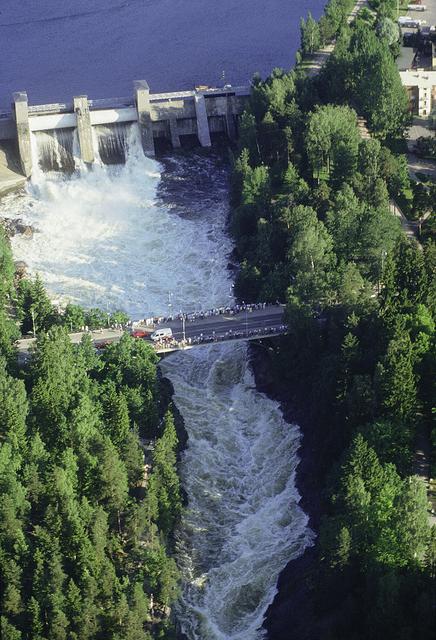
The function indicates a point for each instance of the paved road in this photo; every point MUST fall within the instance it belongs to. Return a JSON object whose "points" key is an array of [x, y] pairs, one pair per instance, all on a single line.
{"points": [[247, 324], [25, 345], [314, 63], [225, 324]]}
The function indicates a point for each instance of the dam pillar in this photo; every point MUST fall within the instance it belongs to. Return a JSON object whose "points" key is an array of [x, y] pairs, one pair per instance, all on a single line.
{"points": [[84, 128], [142, 98], [23, 131], [175, 139], [202, 123], [230, 118]]}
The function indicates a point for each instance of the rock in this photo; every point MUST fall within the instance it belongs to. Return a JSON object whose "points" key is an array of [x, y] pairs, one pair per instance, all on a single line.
{"points": [[26, 230], [20, 268], [15, 226]]}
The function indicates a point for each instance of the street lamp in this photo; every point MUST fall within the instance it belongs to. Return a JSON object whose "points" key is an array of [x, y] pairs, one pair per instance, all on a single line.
{"points": [[183, 325], [32, 312], [383, 256], [246, 319]]}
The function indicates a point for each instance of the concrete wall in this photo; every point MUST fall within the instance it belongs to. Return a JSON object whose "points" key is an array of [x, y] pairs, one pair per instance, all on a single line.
{"points": [[166, 115], [23, 132], [84, 128]]}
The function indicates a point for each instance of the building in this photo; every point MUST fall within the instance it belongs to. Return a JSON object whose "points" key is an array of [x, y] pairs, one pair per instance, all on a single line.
{"points": [[417, 67]]}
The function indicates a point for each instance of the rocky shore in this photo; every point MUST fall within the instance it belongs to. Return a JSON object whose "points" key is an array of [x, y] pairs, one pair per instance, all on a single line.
{"points": [[293, 606], [15, 226]]}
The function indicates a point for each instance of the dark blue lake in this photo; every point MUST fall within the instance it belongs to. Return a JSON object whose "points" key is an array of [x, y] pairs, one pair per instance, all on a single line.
{"points": [[55, 49]]}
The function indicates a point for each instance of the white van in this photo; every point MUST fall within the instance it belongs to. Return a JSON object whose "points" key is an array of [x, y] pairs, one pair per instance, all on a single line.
{"points": [[159, 334], [409, 23]]}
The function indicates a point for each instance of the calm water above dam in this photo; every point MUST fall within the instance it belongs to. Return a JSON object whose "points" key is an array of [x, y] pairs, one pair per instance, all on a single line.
{"points": [[55, 49]]}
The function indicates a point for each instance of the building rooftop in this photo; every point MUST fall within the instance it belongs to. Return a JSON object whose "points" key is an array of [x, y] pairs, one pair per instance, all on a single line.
{"points": [[406, 58]]}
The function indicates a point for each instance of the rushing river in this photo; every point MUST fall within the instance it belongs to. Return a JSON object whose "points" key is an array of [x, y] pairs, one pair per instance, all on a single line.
{"points": [[243, 522], [142, 236]]}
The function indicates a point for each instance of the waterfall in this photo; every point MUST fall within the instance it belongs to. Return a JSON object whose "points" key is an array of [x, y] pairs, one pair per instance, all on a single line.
{"points": [[126, 235], [59, 149], [55, 150], [112, 142]]}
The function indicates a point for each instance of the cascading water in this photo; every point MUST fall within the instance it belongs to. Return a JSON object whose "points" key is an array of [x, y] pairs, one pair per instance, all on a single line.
{"points": [[55, 149], [111, 236], [112, 142], [141, 236], [243, 522]]}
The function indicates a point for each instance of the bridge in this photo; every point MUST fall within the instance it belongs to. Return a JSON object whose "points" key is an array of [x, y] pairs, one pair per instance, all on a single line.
{"points": [[171, 116], [249, 322]]}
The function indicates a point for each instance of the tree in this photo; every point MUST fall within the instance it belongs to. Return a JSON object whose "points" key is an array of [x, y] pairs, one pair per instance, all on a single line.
{"points": [[119, 317], [9, 632], [310, 36], [331, 133], [395, 379], [256, 190], [388, 30], [411, 276], [13, 413], [96, 318], [116, 416], [57, 381], [411, 526], [383, 97], [34, 307], [112, 481], [74, 317], [164, 476]]}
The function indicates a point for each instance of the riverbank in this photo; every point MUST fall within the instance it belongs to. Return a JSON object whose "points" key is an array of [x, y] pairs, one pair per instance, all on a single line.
{"points": [[293, 606]]}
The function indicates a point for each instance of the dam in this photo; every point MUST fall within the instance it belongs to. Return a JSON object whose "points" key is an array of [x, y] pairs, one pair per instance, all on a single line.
{"points": [[198, 114]]}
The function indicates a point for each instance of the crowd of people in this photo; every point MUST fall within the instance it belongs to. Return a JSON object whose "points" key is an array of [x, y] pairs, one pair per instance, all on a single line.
{"points": [[216, 311], [172, 343]]}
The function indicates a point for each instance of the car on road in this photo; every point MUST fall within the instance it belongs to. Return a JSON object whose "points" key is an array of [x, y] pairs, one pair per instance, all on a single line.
{"points": [[141, 333], [161, 334]]}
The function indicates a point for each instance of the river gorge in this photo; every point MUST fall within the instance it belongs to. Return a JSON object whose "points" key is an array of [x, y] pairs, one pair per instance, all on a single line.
{"points": [[151, 237]]}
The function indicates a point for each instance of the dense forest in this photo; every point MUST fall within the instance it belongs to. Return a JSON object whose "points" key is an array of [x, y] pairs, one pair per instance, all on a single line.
{"points": [[313, 227], [86, 521]]}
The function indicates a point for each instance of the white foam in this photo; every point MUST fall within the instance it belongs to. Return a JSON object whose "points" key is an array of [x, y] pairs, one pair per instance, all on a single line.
{"points": [[243, 522], [107, 227]]}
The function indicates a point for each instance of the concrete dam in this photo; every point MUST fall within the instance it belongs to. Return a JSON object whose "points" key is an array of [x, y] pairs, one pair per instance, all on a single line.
{"points": [[169, 117]]}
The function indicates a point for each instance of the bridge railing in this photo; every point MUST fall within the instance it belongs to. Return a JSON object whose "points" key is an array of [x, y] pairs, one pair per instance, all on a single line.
{"points": [[250, 334]]}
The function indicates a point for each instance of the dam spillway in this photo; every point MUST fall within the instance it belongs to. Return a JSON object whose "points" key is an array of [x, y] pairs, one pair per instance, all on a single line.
{"points": [[199, 113]]}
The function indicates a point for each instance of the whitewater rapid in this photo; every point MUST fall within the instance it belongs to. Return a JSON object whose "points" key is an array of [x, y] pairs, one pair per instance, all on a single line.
{"points": [[150, 237], [109, 236], [243, 523]]}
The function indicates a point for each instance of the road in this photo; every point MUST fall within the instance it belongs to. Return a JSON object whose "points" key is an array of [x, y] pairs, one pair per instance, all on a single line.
{"points": [[226, 326], [244, 324], [314, 63], [25, 345]]}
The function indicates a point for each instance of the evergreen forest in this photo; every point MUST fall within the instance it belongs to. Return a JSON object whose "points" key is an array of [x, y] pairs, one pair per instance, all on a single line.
{"points": [[87, 505], [313, 225]]}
